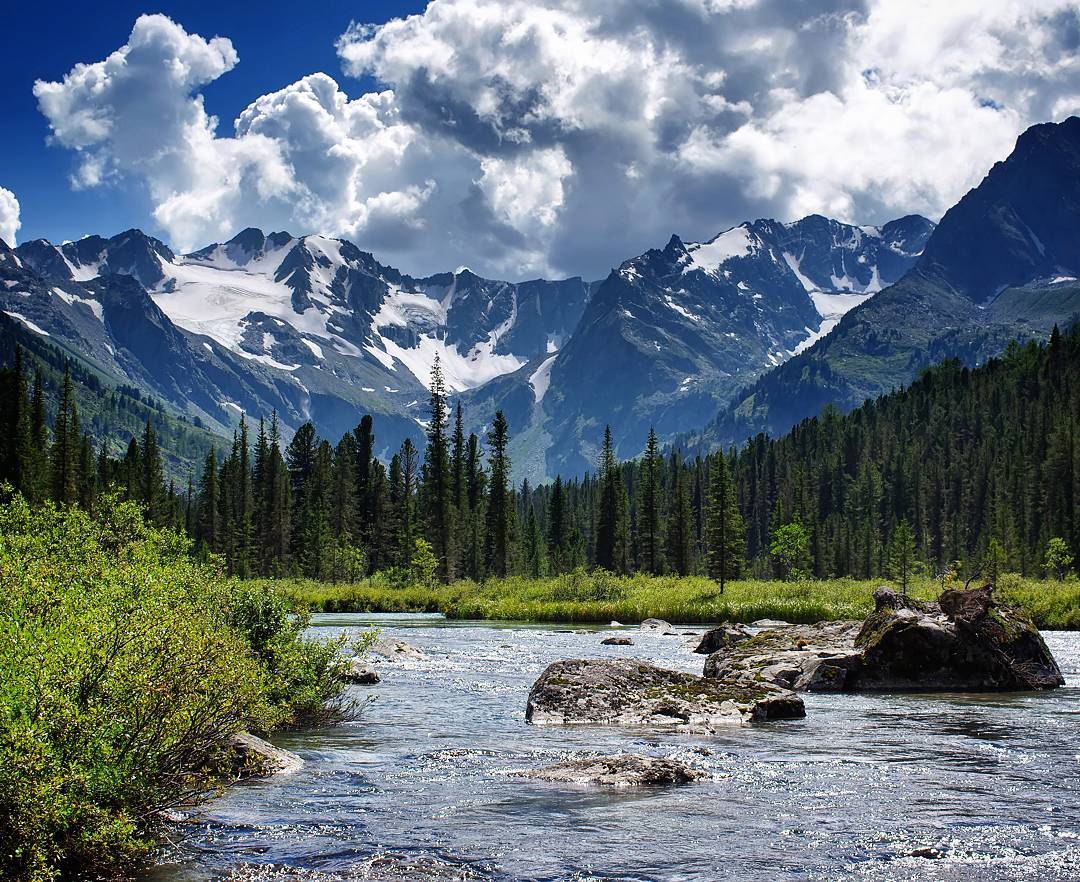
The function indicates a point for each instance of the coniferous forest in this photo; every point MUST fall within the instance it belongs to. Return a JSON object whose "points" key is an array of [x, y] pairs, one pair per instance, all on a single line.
{"points": [[976, 465]]}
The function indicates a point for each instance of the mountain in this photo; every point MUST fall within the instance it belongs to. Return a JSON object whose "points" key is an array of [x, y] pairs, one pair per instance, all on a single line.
{"points": [[669, 336], [315, 328], [1003, 263], [311, 327]]}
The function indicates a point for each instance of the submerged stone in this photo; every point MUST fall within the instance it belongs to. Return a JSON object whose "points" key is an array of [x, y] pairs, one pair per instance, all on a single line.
{"points": [[617, 770]]}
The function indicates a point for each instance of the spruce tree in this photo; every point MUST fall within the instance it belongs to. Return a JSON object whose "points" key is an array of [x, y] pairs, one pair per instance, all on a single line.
{"points": [[151, 476], [209, 531], [500, 514], [558, 527], [650, 520], [612, 523], [65, 447], [680, 523], [438, 493], [724, 530]]}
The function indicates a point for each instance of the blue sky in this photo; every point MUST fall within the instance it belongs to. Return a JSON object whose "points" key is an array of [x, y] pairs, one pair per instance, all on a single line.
{"points": [[521, 138], [277, 45]]}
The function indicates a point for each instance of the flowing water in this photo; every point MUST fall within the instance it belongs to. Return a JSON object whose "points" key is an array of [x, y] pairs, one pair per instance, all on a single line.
{"points": [[991, 783]]}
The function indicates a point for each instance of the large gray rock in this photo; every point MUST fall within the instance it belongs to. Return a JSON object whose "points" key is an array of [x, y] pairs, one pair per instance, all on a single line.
{"points": [[962, 642], [249, 756], [396, 650], [359, 674], [717, 638], [630, 692], [618, 770], [657, 626]]}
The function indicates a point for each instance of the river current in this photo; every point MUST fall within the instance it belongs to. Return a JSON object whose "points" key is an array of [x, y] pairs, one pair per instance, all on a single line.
{"points": [[867, 787]]}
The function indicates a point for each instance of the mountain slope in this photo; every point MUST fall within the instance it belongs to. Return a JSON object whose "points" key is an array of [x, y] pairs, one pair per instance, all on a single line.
{"points": [[670, 334], [1003, 263], [312, 327]]}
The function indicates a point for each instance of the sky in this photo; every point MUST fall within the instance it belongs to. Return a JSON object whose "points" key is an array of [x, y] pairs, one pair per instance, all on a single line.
{"points": [[521, 138]]}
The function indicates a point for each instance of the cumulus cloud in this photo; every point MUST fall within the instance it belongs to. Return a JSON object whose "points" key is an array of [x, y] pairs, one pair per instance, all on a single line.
{"points": [[527, 137], [9, 216]]}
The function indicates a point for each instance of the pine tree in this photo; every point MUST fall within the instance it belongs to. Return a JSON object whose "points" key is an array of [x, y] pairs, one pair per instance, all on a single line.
{"points": [[680, 523], [151, 477], [902, 554], [650, 521], [209, 530], [558, 527], [500, 514], [438, 493], [278, 506], [725, 530], [65, 448], [612, 523], [343, 504]]}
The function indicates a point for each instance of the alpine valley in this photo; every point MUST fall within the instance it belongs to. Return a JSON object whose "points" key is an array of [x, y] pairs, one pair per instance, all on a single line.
{"points": [[763, 324]]}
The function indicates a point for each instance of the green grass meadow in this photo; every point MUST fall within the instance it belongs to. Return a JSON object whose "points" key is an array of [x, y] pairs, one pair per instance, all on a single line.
{"points": [[600, 597]]}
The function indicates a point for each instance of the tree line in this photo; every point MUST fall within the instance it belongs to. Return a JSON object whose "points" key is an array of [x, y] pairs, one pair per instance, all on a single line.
{"points": [[977, 465]]}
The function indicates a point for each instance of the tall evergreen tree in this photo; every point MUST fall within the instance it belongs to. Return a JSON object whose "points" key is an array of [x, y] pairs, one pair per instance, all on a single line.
{"points": [[65, 447], [680, 523], [725, 531], [650, 521], [438, 493], [612, 524], [500, 513]]}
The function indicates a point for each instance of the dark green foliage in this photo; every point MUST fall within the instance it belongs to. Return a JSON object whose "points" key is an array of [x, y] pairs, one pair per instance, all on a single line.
{"points": [[498, 557], [724, 528]]}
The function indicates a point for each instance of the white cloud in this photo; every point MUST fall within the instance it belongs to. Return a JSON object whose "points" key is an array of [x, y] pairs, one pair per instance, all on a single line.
{"points": [[560, 136], [9, 216]]}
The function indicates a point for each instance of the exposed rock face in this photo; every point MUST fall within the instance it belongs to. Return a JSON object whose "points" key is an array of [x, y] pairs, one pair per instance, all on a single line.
{"points": [[629, 692], [963, 642], [250, 757], [718, 638], [618, 770], [359, 674], [812, 658], [616, 641]]}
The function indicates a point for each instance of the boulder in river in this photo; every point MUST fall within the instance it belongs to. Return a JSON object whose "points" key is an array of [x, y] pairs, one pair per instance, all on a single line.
{"points": [[248, 756], [396, 650], [359, 674], [616, 641], [617, 770], [962, 642], [630, 692], [718, 638], [657, 626]]}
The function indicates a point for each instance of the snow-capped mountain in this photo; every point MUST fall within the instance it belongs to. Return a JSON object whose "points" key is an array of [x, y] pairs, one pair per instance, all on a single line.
{"points": [[318, 329], [337, 332], [1003, 263], [673, 333]]}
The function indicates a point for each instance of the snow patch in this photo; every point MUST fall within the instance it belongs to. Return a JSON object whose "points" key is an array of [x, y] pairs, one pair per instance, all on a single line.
{"points": [[708, 256], [541, 379], [22, 318]]}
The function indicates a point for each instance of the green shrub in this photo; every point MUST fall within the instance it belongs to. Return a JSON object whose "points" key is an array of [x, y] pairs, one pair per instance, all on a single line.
{"points": [[124, 667]]}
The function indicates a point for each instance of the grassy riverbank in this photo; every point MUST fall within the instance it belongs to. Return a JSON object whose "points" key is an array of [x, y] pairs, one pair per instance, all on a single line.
{"points": [[125, 669], [600, 597]]}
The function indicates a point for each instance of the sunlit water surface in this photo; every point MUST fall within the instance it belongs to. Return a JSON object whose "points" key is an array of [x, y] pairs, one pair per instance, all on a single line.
{"points": [[991, 782]]}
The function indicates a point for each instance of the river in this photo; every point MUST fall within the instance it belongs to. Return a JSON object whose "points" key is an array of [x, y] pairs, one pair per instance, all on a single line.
{"points": [[991, 783]]}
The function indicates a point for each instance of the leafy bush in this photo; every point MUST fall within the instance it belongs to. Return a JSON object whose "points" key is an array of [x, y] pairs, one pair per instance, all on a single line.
{"points": [[124, 667]]}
